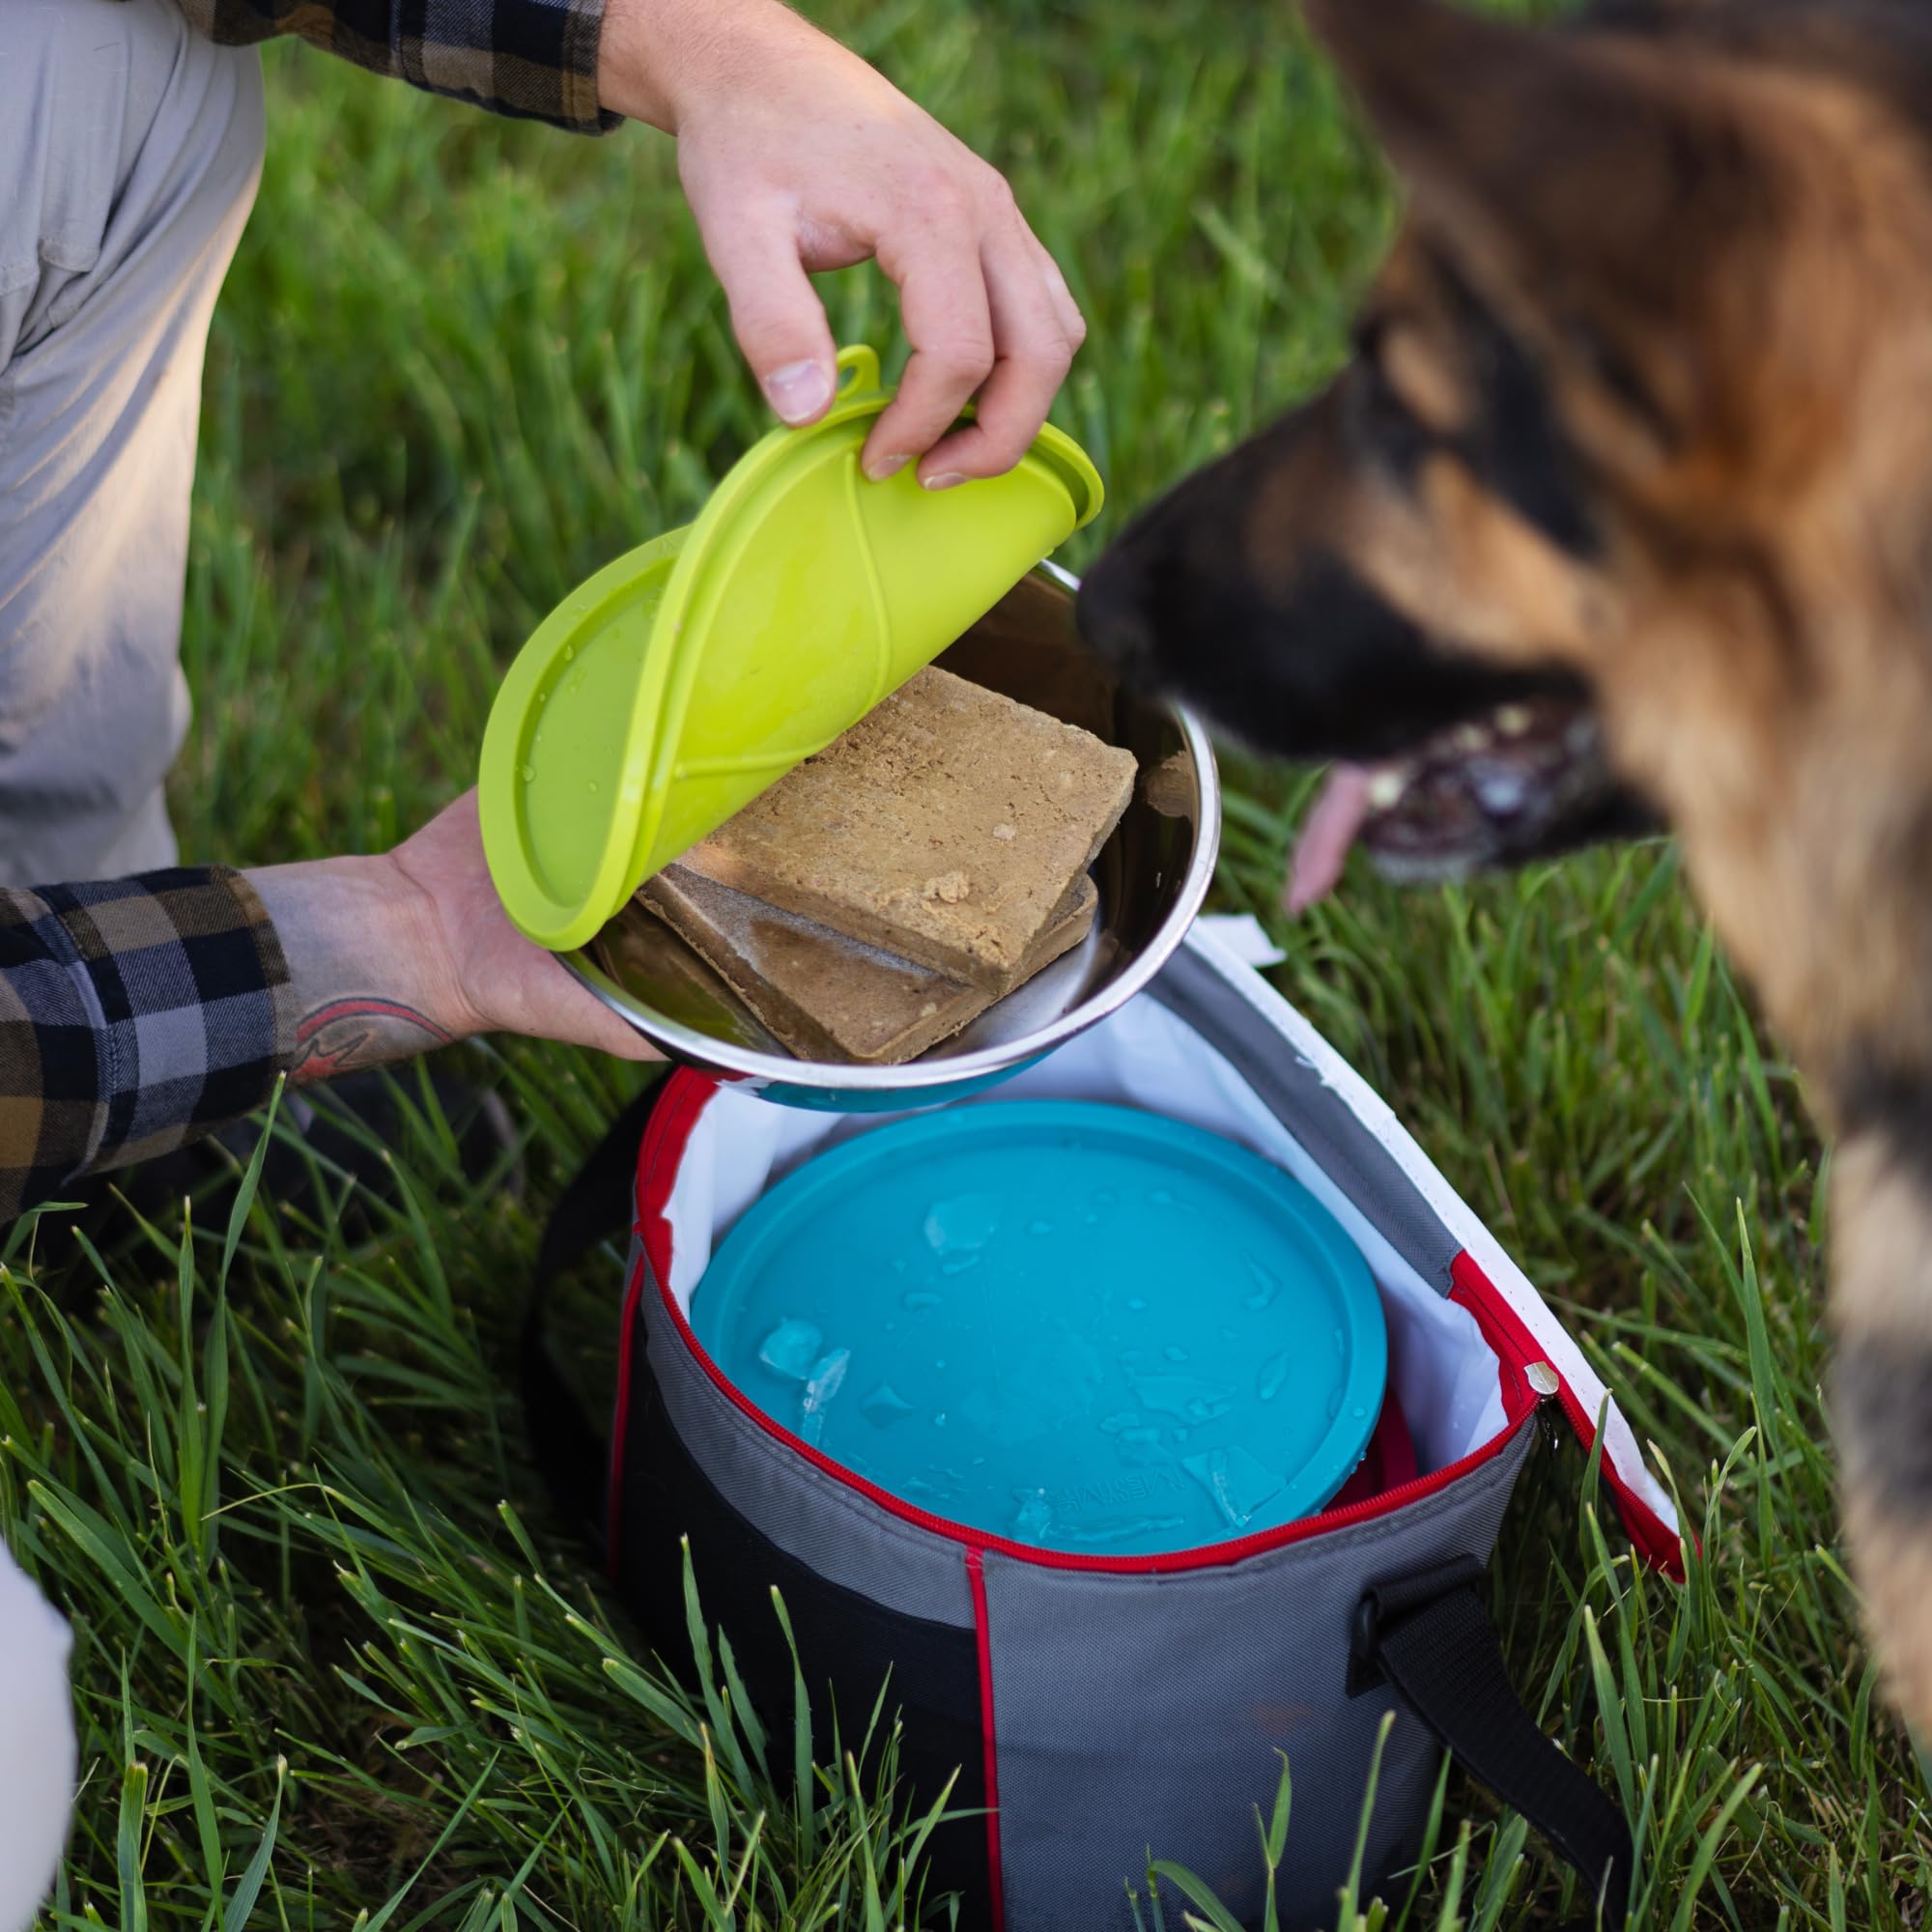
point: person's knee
(122, 133)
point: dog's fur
(1641, 412)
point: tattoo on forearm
(363, 1030)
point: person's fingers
(948, 321)
(1072, 323)
(775, 313)
(1033, 357)
(575, 1016)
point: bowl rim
(687, 1046)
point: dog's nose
(1113, 616)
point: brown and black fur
(1641, 412)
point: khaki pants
(129, 152)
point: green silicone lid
(670, 689)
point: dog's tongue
(1326, 835)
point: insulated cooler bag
(1095, 1706)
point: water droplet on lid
(1161, 1198)
(569, 652)
(1237, 1482)
(1136, 1303)
(1274, 1371)
(1035, 1516)
(827, 1378)
(1266, 1287)
(530, 772)
(1185, 1397)
(1040, 1227)
(791, 1349)
(1360, 1412)
(885, 1406)
(963, 1224)
(1174, 1353)
(1334, 1405)
(592, 787)
(922, 1297)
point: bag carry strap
(571, 1453)
(1429, 1636)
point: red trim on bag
(1656, 1542)
(664, 1143)
(988, 1735)
(1205, 1556)
(1514, 1348)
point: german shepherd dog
(1621, 513)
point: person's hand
(498, 980)
(391, 956)
(796, 156)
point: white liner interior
(1442, 1369)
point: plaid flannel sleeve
(134, 1015)
(536, 59)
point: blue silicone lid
(1077, 1327)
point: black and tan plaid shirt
(134, 1015)
(537, 58)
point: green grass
(335, 1662)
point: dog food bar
(944, 828)
(830, 998)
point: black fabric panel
(847, 1643)
(571, 1453)
(1430, 1635)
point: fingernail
(887, 466)
(798, 390)
(947, 479)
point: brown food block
(944, 827)
(1172, 788)
(830, 998)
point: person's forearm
(535, 58)
(358, 938)
(651, 54)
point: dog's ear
(1572, 166)
(1551, 145)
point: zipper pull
(1546, 1385)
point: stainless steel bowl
(1153, 874)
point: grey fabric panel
(1345, 1150)
(839, 1533)
(1138, 1709)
